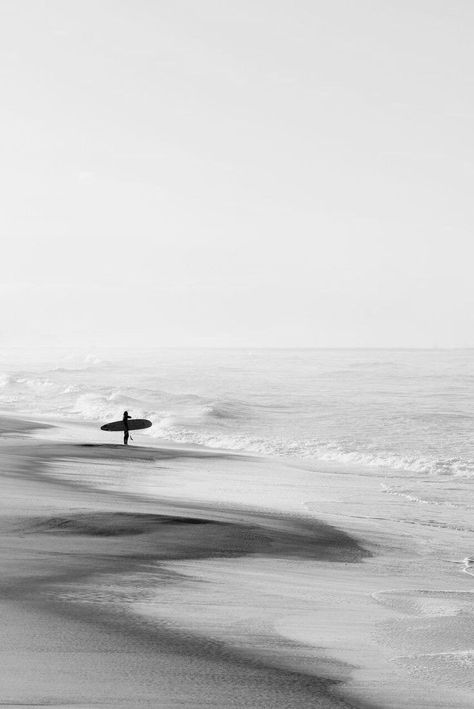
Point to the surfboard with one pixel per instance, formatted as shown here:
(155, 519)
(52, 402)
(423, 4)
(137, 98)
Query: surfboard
(133, 425)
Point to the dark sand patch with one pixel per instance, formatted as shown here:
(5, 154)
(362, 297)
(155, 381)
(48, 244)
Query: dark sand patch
(110, 524)
(181, 536)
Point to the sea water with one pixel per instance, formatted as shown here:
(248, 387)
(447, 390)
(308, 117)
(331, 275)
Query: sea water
(409, 410)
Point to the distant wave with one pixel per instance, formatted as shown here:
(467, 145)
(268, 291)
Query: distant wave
(228, 410)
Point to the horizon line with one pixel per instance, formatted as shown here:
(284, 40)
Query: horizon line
(244, 347)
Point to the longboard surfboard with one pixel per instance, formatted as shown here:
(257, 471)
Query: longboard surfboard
(133, 425)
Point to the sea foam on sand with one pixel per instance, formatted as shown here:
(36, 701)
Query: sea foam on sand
(172, 576)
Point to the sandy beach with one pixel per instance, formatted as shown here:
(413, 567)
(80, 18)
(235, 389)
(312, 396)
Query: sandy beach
(57, 536)
(113, 596)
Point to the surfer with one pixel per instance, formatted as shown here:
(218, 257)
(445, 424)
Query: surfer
(125, 427)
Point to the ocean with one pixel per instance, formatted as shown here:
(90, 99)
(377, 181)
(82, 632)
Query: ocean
(409, 410)
(377, 443)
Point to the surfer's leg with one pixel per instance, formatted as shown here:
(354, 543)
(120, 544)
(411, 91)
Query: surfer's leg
(125, 438)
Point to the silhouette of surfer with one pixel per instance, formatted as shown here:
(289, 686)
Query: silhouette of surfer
(125, 427)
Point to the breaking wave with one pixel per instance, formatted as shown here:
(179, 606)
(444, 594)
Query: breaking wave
(314, 450)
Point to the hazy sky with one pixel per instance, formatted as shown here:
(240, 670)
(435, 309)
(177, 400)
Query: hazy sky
(237, 172)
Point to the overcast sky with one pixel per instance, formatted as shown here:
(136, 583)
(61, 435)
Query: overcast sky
(237, 172)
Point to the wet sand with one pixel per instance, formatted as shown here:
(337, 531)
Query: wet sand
(58, 537)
